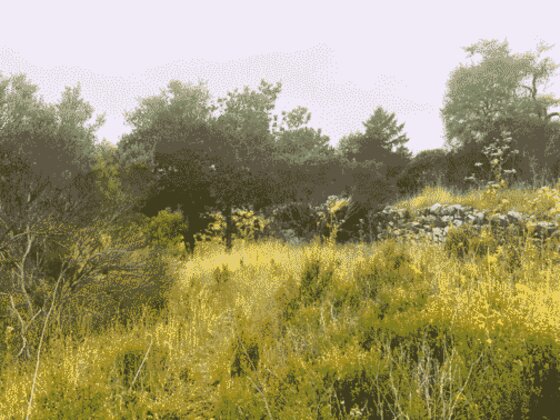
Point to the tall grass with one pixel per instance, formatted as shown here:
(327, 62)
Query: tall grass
(519, 199)
(277, 331)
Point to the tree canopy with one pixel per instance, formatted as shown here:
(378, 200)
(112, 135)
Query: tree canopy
(498, 91)
(382, 137)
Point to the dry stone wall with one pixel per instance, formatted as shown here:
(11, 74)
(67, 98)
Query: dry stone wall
(434, 222)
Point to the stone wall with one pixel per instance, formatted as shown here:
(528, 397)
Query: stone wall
(434, 222)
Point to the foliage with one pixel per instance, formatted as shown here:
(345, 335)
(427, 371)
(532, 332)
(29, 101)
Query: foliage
(343, 331)
(66, 230)
(382, 136)
(104, 315)
(55, 141)
(248, 225)
(501, 91)
(427, 169)
(165, 231)
(296, 141)
(498, 154)
(546, 202)
(332, 215)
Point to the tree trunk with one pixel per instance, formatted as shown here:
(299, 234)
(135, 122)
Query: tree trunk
(229, 228)
(188, 235)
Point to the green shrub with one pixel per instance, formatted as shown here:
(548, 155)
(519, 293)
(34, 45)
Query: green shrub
(165, 232)
(316, 277)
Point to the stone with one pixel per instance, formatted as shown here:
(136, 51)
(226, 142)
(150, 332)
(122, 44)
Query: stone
(457, 209)
(403, 214)
(480, 215)
(515, 216)
(447, 219)
(499, 220)
(436, 209)
(471, 218)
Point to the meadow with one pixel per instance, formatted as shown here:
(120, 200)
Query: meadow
(394, 329)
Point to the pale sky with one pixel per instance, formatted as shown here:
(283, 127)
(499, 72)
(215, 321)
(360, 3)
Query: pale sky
(339, 59)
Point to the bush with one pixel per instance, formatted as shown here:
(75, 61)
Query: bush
(247, 224)
(296, 221)
(165, 232)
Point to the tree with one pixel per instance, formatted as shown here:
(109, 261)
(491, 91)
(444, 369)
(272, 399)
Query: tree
(308, 170)
(374, 158)
(172, 146)
(499, 91)
(296, 141)
(242, 177)
(429, 167)
(382, 139)
(202, 155)
(51, 213)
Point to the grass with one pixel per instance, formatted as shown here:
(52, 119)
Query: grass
(515, 199)
(391, 330)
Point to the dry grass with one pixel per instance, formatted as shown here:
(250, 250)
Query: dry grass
(515, 199)
(277, 331)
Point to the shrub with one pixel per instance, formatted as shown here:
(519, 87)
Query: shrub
(248, 225)
(165, 232)
(315, 279)
(301, 219)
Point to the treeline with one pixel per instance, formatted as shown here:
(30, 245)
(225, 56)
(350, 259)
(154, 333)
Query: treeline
(197, 155)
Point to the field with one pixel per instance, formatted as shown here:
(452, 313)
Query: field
(467, 329)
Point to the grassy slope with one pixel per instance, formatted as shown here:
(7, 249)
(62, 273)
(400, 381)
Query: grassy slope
(511, 199)
(320, 331)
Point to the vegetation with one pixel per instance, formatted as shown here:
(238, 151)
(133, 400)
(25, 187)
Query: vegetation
(220, 261)
(273, 330)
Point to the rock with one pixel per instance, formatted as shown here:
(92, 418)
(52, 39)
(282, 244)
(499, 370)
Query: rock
(435, 222)
(515, 216)
(499, 220)
(437, 231)
(403, 214)
(447, 219)
(440, 223)
(545, 229)
(446, 211)
(457, 209)
(480, 217)
(471, 218)
(436, 209)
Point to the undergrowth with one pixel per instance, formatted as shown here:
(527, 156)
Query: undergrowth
(391, 330)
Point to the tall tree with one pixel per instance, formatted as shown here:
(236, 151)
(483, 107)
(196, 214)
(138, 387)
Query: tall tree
(47, 194)
(306, 163)
(172, 146)
(375, 157)
(243, 175)
(296, 141)
(56, 141)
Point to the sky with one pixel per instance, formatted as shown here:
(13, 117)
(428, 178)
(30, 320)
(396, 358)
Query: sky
(338, 59)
